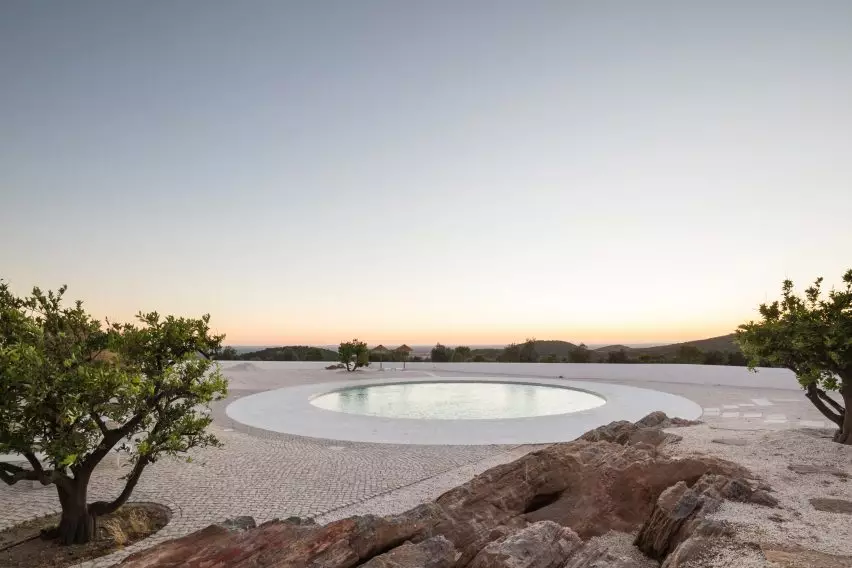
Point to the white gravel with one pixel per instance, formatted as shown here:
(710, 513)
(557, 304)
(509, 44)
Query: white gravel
(767, 454)
(621, 544)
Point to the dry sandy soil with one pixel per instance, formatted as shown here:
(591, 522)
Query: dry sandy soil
(777, 457)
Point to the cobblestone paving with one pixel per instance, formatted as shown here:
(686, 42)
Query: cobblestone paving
(265, 477)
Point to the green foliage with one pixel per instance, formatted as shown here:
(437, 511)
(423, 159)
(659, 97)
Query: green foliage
(74, 390)
(736, 358)
(353, 354)
(314, 354)
(713, 358)
(461, 354)
(520, 353)
(619, 356)
(528, 352)
(689, 355)
(580, 354)
(228, 354)
(812, 336)
(285, 353)
(441, 354)
(510, 354)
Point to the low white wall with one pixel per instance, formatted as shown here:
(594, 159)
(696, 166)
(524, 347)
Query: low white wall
(689, 374)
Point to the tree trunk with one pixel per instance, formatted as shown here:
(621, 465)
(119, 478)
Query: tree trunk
(844, 435)
(77, 524)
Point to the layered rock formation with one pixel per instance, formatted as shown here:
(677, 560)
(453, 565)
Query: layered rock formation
(536, 512)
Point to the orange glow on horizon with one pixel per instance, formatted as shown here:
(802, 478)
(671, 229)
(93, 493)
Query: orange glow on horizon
(484, 337)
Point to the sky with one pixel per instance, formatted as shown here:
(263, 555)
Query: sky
(398, 171)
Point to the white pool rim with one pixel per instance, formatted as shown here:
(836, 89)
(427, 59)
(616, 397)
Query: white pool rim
(289, 411)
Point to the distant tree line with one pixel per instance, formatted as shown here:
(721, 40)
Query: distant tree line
(529, 352)
(286, 353)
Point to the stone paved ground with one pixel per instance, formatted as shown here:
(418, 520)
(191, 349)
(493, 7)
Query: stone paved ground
(268, 475)
(262, 477)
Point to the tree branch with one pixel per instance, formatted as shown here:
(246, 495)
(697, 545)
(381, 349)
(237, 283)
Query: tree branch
(12, 474)
(101, 424)
(104, 507)
(812, 395)
(824, 395)
(31, 457)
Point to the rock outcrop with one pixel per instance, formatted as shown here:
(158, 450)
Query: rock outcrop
(681, 514)
(540, 545)
(598, 556)
(435, 552)
(531, 513)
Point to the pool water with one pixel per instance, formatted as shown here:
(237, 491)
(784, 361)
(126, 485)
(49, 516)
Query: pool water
(457, 400)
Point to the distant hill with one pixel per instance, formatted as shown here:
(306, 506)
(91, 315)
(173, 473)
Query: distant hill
(611, 349)
(554, 347)
(559, 349)
(289, 353)
(489, 353)
(723, 343)
(715, 350)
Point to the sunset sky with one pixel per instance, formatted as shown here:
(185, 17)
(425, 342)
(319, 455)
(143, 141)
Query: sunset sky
(457, 171)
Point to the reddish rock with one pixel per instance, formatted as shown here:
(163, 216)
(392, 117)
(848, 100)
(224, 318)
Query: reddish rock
(590, 487)
(540, 545)
(435, 552)
(598, 556)
(680, 512)
(341, 544)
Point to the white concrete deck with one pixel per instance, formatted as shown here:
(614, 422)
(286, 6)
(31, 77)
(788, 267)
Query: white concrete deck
(289, 411)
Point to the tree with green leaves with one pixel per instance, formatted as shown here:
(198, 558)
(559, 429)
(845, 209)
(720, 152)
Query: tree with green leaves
(353, 354)
(811, 336)
(228, 354)
(528, 352)
(510, 354)
(619, 356)
(689, 355)
(714, 357)
(461, 354)
(72, 391)
(441, 354)
(580, 354)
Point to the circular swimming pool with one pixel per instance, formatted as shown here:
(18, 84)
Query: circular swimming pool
(457, 400)
(450, 410)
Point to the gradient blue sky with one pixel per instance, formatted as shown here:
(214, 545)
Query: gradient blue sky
(474, 171)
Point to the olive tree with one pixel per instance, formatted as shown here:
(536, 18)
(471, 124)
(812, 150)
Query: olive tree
(812, 336)
(353, 354)
(73, 390)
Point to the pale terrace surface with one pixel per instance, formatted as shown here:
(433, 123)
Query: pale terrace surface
(270, 475)
(290, 410)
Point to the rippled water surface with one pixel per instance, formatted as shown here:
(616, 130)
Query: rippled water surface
(457, 400)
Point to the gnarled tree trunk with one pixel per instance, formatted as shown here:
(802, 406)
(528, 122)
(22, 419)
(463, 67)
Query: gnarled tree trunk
(844, 435)
(77, 524)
